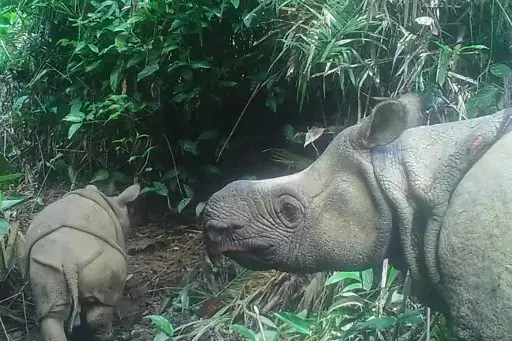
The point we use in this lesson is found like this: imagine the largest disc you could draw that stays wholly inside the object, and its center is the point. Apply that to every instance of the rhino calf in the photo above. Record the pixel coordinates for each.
(76, 261)
(433, 199)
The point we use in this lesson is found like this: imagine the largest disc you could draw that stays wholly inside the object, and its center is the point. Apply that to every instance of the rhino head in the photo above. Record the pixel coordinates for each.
(122, 205)
(330, 216)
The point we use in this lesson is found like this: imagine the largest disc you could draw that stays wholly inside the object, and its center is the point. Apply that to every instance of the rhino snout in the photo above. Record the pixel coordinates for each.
(220, 238)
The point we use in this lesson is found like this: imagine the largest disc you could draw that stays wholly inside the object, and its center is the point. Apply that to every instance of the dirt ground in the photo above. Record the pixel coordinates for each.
(162, 254)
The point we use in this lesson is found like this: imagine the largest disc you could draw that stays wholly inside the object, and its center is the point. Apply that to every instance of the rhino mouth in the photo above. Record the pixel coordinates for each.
(250, 255)
(230, 239)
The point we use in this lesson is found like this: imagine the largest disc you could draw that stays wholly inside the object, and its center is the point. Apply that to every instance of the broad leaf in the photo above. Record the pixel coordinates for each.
(100, 175)
(296, 322)
(208, 135)
(73, 129)
(161, 336)
(163, 324)
(4, 227)
(8, 202)
(200, 207)
(501, 70)
(338, 276)
(244, 332)
(313, 134)
(10, 177)
(183, 203)
(147, 71)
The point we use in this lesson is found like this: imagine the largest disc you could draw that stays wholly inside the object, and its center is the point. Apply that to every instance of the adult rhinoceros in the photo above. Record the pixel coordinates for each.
(434, 199)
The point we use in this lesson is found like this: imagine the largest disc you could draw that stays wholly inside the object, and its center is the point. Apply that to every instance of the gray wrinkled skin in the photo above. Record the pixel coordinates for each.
(433, 199)
(76, 261)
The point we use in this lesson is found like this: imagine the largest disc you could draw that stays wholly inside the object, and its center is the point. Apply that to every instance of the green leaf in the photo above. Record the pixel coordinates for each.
(245, 332)
(413, 317)
(296, 322)
(134, 60)
(501, 70)
(208, 135)
(474, 47)
(235, 3)
(160, 188)
(93, 48)
(367, 276)
(352, 287)
(10, 177)
(18, 103)
(289, 132)
(249, 18)
(188, 191)
(338, 276)
(392, 273)
(121, 40)
(482, 98)
(264, 320)
(442, 65)
(348, 299)
(115, 78)
(200, 64)
(93, 66)
(75, 115)
(8, 202)
(79, 45)
(38, 76)
(271, 103)
(71, 174)
(63, 42)
(4, 227)
(270, 335)
(163, 324)
(227, 84)
(147, 71)
(210, 169)
(161, 336)
(118, 176)
(73, 129)
(183, 203)
(171, 174)
(377, 324)
(189, 146)
(200, 207)
(4, 165)
(100, 175)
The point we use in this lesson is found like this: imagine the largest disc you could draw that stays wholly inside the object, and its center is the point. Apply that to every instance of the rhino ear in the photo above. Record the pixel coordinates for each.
(93, 187)
(129, 194)
(385, 124)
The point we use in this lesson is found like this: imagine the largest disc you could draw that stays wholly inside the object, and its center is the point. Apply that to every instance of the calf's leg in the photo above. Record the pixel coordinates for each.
(52, 329)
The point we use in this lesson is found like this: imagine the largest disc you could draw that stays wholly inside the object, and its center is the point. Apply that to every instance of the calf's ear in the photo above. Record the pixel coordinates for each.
(129, 194)
(385, 124)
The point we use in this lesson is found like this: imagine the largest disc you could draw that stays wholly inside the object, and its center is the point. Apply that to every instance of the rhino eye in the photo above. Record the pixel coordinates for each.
(290, 210)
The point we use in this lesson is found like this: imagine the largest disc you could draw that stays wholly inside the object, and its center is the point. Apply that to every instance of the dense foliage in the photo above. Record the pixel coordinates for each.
(157, 89)
(180, 93)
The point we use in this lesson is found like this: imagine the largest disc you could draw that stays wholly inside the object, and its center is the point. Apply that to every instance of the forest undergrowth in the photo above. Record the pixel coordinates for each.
(184, 97)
